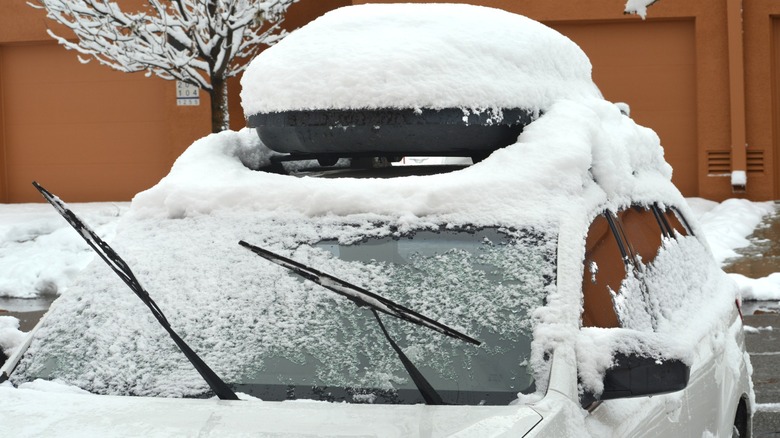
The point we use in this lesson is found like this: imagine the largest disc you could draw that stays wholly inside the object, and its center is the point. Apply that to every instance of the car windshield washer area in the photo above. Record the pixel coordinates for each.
(485, 281)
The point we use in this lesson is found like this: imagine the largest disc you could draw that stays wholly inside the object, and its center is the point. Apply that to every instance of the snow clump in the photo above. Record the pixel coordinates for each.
(417, 56)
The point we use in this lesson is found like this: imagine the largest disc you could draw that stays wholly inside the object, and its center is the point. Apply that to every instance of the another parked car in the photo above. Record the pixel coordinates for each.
(557, 287)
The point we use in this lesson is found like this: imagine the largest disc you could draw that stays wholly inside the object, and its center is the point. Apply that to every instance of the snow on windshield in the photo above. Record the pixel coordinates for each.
(258, 326)
(417, 56)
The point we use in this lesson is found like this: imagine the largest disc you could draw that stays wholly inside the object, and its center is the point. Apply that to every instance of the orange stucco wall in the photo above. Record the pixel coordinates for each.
(676, 69)
(87, 132)
(696, 165)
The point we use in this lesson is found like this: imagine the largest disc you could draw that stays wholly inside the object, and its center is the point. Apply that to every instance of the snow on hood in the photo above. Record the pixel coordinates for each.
(50, 412)
(417, 56)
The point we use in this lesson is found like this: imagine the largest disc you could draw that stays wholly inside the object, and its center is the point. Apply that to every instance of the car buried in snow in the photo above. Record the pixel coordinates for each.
(558, 286)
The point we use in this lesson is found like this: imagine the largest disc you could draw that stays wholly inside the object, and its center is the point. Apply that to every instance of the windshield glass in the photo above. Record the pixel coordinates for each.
(484, 282)
(305, 342)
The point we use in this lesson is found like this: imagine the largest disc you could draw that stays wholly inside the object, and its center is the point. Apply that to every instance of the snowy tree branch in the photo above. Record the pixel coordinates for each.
(200, 42)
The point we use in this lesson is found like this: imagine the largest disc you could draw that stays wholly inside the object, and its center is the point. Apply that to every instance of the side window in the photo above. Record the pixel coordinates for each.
(604, 271)
(643, 231)
(675, 221)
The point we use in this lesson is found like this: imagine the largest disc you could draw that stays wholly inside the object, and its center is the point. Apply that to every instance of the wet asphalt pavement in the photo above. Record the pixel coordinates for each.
(758, 260)
(764, 350)
(28, 311)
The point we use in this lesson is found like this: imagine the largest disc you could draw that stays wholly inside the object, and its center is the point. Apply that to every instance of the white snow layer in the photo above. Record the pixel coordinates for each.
(572, 144)
(39, 252)
(638, 7)
(212, 197)
(581, 155)
(417, 56)
(727, 225)
(766, 288)
(35, 262)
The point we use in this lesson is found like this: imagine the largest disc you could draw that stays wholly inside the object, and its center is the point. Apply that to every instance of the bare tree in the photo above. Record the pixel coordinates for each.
(200, 42)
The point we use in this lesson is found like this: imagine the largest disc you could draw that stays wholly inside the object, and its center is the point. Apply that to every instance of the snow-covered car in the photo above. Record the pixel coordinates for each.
(558, 287)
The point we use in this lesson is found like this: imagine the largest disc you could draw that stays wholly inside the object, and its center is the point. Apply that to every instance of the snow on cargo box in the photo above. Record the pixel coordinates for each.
(410, 79)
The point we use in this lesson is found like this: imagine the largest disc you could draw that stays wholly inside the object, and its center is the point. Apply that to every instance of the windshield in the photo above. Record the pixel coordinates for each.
(484, 282)
(305, 342)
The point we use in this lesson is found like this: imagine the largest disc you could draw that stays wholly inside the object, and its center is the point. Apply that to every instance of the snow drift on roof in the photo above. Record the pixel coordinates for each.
(417, 56)
(535, 181)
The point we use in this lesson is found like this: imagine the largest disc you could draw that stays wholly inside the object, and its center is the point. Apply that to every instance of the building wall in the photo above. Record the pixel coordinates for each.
(652, 67)
(709, 90)
(85, 131)
(680, 72)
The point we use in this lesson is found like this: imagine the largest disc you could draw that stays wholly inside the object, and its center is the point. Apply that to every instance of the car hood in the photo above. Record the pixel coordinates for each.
(39, 413)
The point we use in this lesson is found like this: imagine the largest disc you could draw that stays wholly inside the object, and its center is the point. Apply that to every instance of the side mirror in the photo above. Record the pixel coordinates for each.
(636, 376)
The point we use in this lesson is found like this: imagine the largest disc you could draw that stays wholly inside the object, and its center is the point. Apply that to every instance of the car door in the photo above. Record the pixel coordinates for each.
(629, 254)
(681, 279)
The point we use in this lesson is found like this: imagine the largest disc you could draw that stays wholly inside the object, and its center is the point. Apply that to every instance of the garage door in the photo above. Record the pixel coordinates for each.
(651, 66)
(84, 131)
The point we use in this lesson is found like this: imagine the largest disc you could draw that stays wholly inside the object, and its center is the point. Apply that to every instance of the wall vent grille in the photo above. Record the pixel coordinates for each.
(718, 163)
(755, 161)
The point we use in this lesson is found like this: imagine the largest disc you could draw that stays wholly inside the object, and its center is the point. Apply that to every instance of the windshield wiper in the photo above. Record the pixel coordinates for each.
(364, 298)
(359, 295)
(220, 388)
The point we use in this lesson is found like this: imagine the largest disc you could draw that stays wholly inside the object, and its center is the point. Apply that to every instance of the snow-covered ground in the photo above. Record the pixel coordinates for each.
(39, 252)
(726, 226)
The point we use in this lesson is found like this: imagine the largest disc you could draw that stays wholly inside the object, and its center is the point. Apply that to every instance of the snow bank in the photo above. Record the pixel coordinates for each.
(417, 56)
(727, 225)
(39, 252)
(10, 335)
(768, 407)
(767, 288)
